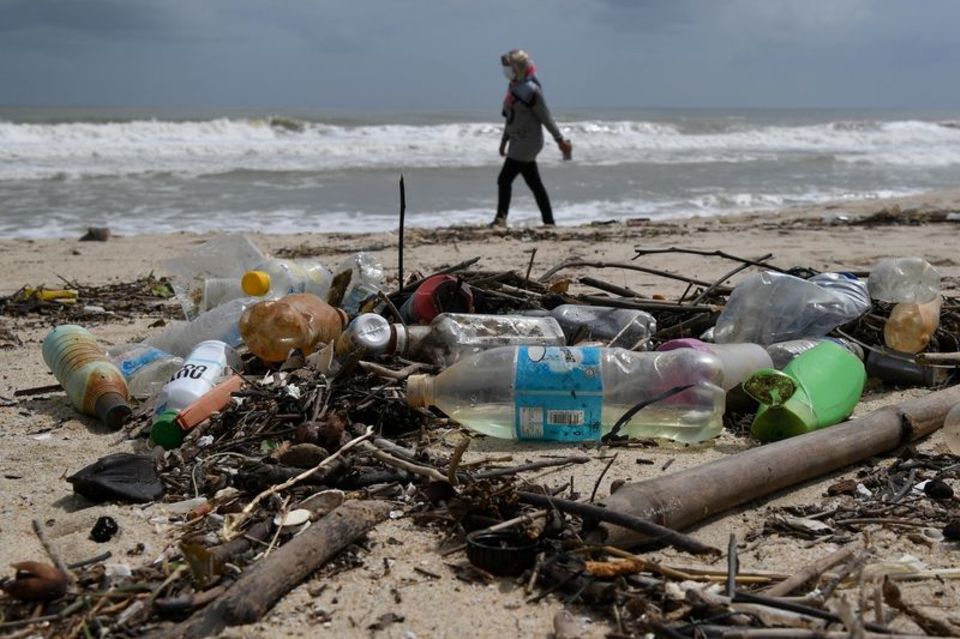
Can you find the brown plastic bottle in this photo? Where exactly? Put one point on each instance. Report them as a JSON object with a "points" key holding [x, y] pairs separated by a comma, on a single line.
{"points": [[94, 385], [910, 326], [271, 329]]}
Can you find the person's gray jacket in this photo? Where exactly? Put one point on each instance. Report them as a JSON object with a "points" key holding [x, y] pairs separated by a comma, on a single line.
{"points": [[523, 127]]}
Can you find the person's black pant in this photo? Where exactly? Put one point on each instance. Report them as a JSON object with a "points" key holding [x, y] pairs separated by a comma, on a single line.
{"points": [[531, 175]]}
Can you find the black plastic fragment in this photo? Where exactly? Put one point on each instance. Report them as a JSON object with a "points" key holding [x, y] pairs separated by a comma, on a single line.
{"points": [[104, 530], [119, 477]]}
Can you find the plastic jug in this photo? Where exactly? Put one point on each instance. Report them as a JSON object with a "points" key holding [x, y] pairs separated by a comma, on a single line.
{"points": [[452, 336], [739, 361], [94, 385], [437, 294], [220, 323], [145, 368], [203, 369], [910, 326], [577, 393], [615, 327], [276, 278], [773, 307], [908, 280], [272, 328], [782, 352], [819, 388], [225, 256], [359, 277]]}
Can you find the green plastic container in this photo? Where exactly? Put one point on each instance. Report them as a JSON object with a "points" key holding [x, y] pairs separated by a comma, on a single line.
{"points": [[818, 388]]}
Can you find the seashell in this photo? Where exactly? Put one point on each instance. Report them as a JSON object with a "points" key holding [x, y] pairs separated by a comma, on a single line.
{"points": [[296, 517]]}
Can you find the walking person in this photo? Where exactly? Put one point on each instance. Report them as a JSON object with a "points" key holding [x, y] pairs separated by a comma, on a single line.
{"points": [[526, 113]]}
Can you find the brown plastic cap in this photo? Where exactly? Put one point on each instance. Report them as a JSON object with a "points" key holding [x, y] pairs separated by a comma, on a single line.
{"points": [[113, 410]]}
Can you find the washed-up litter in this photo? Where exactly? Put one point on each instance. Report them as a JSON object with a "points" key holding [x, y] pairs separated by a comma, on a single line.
{"points": [[311, 404]]}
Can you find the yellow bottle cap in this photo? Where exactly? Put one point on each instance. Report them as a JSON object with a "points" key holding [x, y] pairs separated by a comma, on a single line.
{"points": [[255, 283]]}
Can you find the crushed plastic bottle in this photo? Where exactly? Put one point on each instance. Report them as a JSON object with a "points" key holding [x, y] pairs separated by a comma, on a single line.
{"points": [[94, 385], [739, 361], [770, 307], [220, 323], [819, 388], [908, 280], [452, 336], [359, 277], [225, 256], [272, 328], [911, 326], [210, 361], [615, 327], [437, 294], [145, 368], [578, 393], [783, 352], [275, 278]]}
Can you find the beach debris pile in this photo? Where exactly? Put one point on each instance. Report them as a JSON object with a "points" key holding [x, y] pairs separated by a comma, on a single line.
{"points": [[298, 407]]}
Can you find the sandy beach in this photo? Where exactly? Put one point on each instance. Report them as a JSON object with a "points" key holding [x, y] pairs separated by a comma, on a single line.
{"points": [[43, 438]]}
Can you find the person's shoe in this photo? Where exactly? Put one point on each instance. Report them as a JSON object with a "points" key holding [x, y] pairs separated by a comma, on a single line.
{"points": [[499, 222]]}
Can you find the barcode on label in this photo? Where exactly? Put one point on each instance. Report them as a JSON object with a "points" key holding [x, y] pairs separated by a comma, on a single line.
{"points": [[565, 417]]}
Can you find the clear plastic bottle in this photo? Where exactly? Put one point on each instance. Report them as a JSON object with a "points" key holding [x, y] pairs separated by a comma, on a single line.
{"points": [[225, 256], [782, 352], [578, 393], [452, 336], [364, 278], [739, 360], [272, 328], [910, 326], [616, 327], [145, 368], [206, 365], [770, 307], [220, 323], [276, 278], [92, 382], [909, 280], [220, 290]]}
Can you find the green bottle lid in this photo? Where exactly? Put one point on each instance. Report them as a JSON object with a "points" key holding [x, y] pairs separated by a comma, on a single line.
{"points": [[166, 431]]}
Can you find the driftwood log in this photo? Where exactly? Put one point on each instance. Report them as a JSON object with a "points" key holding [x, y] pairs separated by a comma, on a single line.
{"points": [[266, 581], [685, 498]]}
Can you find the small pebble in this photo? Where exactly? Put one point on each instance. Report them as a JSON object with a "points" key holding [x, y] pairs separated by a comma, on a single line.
{"points": [[104, 529], [937, 489]]}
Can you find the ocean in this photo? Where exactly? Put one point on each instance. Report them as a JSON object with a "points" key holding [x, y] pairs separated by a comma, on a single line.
{"points": [[142, 171]]}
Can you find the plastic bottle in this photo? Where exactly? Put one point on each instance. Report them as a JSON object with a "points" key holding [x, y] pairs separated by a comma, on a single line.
{"points": [[203, 368], [272, 328], [909, 280], [616, 327], [437, 294], [145, 368], [910, 326], [739, 360], [94, 385], [577, 393], [818, 388], [225, 256], [898, 369], [276, 278], [360, 276], [220, 290], [782, 352], [220, 323], [951, 430], [452, 336], [770, 307]]}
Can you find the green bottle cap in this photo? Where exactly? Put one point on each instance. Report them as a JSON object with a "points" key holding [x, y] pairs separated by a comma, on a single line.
{"points": [[166, 431]]}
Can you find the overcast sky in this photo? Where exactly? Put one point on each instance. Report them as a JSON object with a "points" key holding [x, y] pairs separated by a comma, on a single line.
{"points": [[443, 54]]}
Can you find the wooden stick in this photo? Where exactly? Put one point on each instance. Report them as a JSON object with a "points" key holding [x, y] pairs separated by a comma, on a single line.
{"points": [[403, 212], [815, 569], [522, 468], [727, 256], [683, 499], [647, 305], [607, 287], [723, 278], [402, 464], [266, 581], [623, 265], [655, 532], [934, 358]]}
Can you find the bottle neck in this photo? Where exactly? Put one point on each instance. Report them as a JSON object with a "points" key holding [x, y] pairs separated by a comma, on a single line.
{"points": [[421, 390]]}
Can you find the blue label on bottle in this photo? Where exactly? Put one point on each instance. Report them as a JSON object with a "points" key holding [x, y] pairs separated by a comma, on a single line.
{"points": [[128, 367], [558, 393]]}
